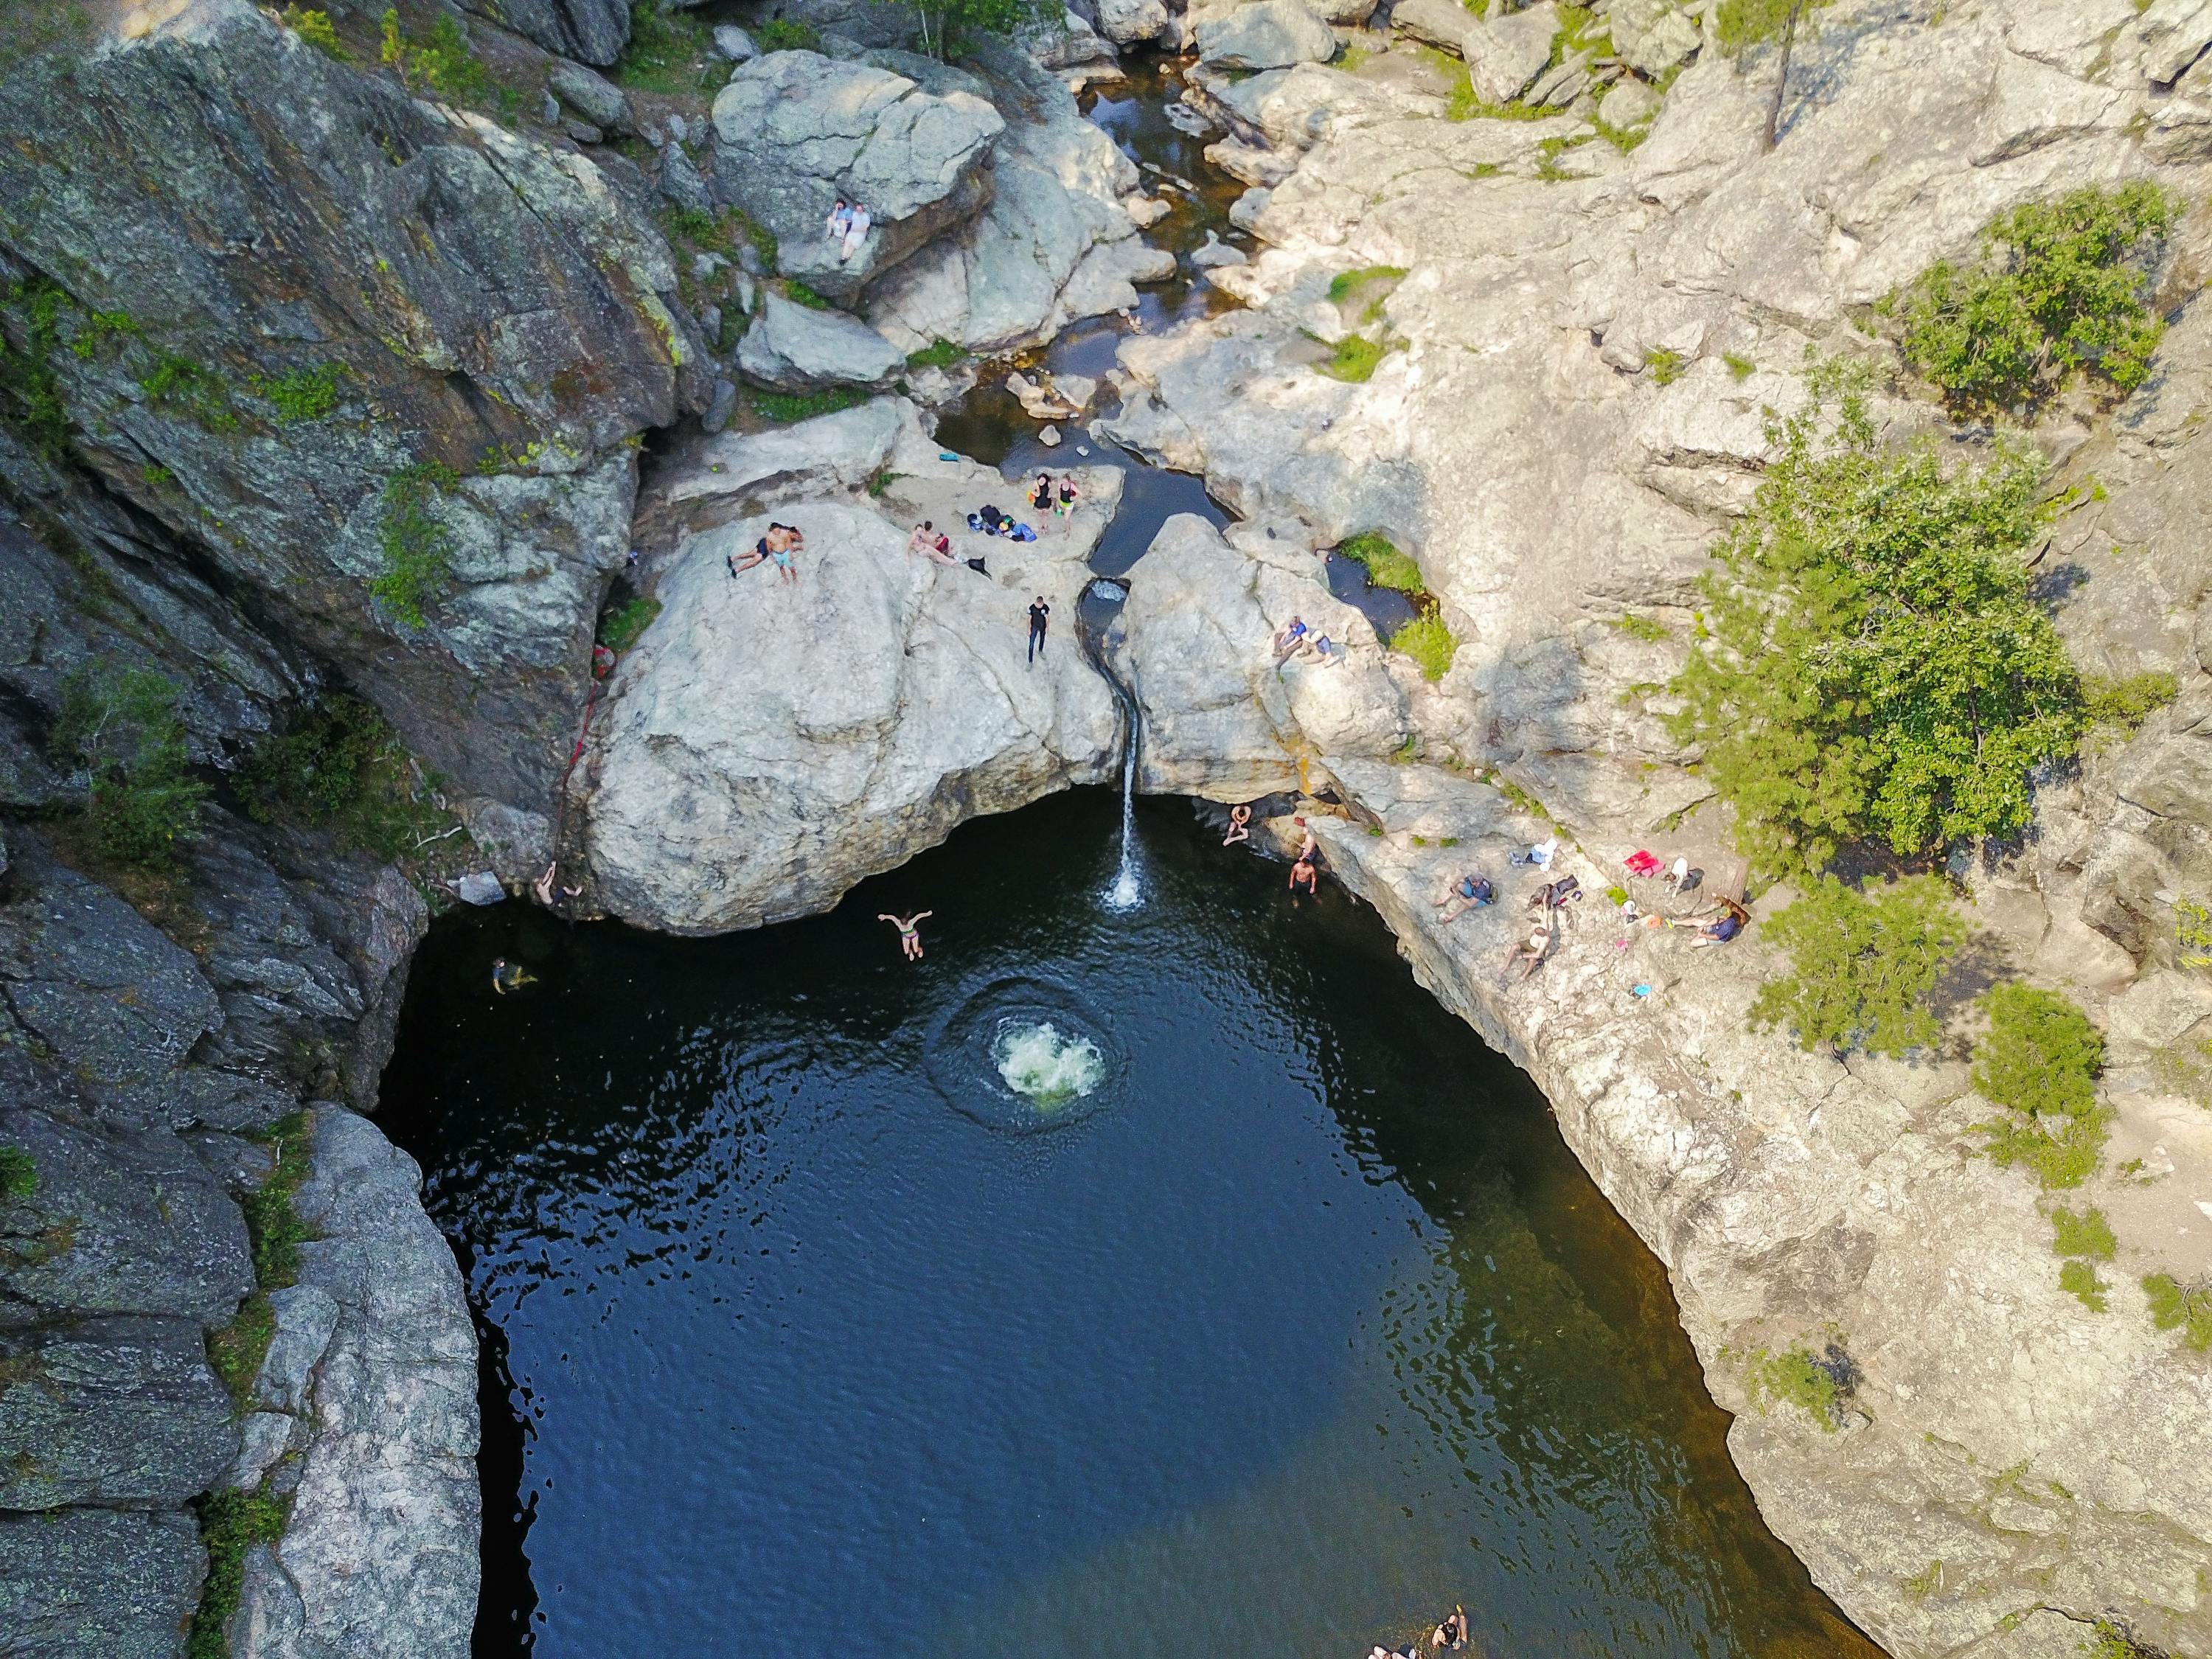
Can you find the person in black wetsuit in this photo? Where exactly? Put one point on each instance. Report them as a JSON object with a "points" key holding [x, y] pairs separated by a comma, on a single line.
{"points": [[1040, 615]]}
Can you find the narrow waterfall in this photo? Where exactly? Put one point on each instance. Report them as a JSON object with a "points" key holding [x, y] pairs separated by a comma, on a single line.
{"points": [[1097, 619]]}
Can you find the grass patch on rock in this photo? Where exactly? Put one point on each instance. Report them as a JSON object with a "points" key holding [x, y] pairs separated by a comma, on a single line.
{"points": [[668, 51], [2176, 1305], [937, 354], [230, 1523], [784, 407], [1816, 1384], [1429, 642], [1386, 566], [1353, 359], [118, 728], [416, 546], [19, 1172], [1345, 284], [623, 626], [274, 1232], [336, 764]]}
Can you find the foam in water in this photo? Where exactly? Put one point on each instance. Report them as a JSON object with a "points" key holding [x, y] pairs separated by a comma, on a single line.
{"points": [[1048, 1068]]}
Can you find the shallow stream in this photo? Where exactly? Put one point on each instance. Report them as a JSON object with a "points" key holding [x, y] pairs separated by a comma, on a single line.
{"points": [[1180, 1279]]}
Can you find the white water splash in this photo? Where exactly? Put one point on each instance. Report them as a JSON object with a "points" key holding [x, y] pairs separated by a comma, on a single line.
{"points": [[1039, 1063]]}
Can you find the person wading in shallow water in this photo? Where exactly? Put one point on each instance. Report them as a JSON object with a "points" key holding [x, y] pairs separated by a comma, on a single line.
{"points": [[1040, 617], [909, 941]]}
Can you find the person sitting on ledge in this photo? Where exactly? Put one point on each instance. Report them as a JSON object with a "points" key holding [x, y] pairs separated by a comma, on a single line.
{"points": [[1469, 892], [1530, 953], [1719, 933], [1239, 821], [1292, 641], [928, 539]]}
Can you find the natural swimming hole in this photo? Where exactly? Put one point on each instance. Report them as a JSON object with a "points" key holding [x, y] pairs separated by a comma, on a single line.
{"points": [[1175, 1280]]}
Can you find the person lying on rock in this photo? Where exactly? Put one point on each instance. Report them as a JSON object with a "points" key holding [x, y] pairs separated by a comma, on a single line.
{"points": [[1240, 825], [1469, 892], [1527, 954], [929, 540], [909, 941]]}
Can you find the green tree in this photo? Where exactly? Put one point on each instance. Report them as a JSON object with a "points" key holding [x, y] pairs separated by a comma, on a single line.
{"points": [[1862, 965], [120, 727], [2041, 1055], [1876, 668], [946, 23], [2059, 288]]}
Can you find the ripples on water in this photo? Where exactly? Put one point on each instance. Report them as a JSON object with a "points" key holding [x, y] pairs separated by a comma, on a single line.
{"points": [[1303, 1326]]}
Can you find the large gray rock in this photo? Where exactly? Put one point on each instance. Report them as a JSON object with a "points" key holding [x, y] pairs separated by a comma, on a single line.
{"points": [[1199, 655], [379, 1558], [590, 31], [1652, 36], [111, 1411], [98, 1583], [798, 130], [739, 474], [490, 305], [593, 97], [1265, 34], [1130, 22], [770, 744], [795, 347], [1504, 54], [1055, 245]]}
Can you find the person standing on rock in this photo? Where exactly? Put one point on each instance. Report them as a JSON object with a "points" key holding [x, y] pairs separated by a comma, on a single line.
{"points": [[856, 231], [1040, 617]]}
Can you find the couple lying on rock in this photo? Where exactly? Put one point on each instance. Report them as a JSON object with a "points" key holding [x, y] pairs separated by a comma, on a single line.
{"points": [[1296, 640], [928, 540], [776, 547]]}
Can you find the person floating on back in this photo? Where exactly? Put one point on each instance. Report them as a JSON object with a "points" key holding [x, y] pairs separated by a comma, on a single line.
{"points": [[909, 941], [1039, 618]]}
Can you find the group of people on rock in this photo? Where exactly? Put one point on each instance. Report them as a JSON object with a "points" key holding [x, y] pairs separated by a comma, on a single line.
{"points": [[1450, 1635], [775, 547]]}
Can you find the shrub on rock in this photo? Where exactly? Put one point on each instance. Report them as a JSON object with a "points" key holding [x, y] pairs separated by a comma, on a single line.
{"points": [[1862, 965]]}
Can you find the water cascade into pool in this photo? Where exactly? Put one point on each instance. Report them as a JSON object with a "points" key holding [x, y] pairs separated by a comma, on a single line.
{"points": [[1118, 1283]]}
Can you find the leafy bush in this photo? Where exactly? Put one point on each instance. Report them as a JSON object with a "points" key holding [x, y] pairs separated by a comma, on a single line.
{"points": [[2185, 1307], [120, 726], [2088, 1235], [1342, 286], [2079, 1279], [798, 294], [439, 62], [623, 627], [178, 386], [303, 394], [1666, 366], [1353, 359], [1649, 629], [1429, 642], [314, 27], [336, 765], [783, 35], [2059, 288], [19, 1175], [27, 376], [1862, 965], [2129, 701], [2108, 1640], [1816, 1385], [946, 24], [1876, 668], [2041, 1055], [937, 354], [2064, 1159], [230, 1523], [1739, 24], [417, 548], [1385, 565]]}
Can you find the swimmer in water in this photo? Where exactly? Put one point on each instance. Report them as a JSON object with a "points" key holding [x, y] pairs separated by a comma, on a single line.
{"points": [[1240, 820], [909, 941], [1452, 1633], [509, 977], [1303, 870]]}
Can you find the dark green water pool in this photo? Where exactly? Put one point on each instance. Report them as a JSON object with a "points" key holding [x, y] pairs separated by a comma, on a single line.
{"points": [[807, 1333]]}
